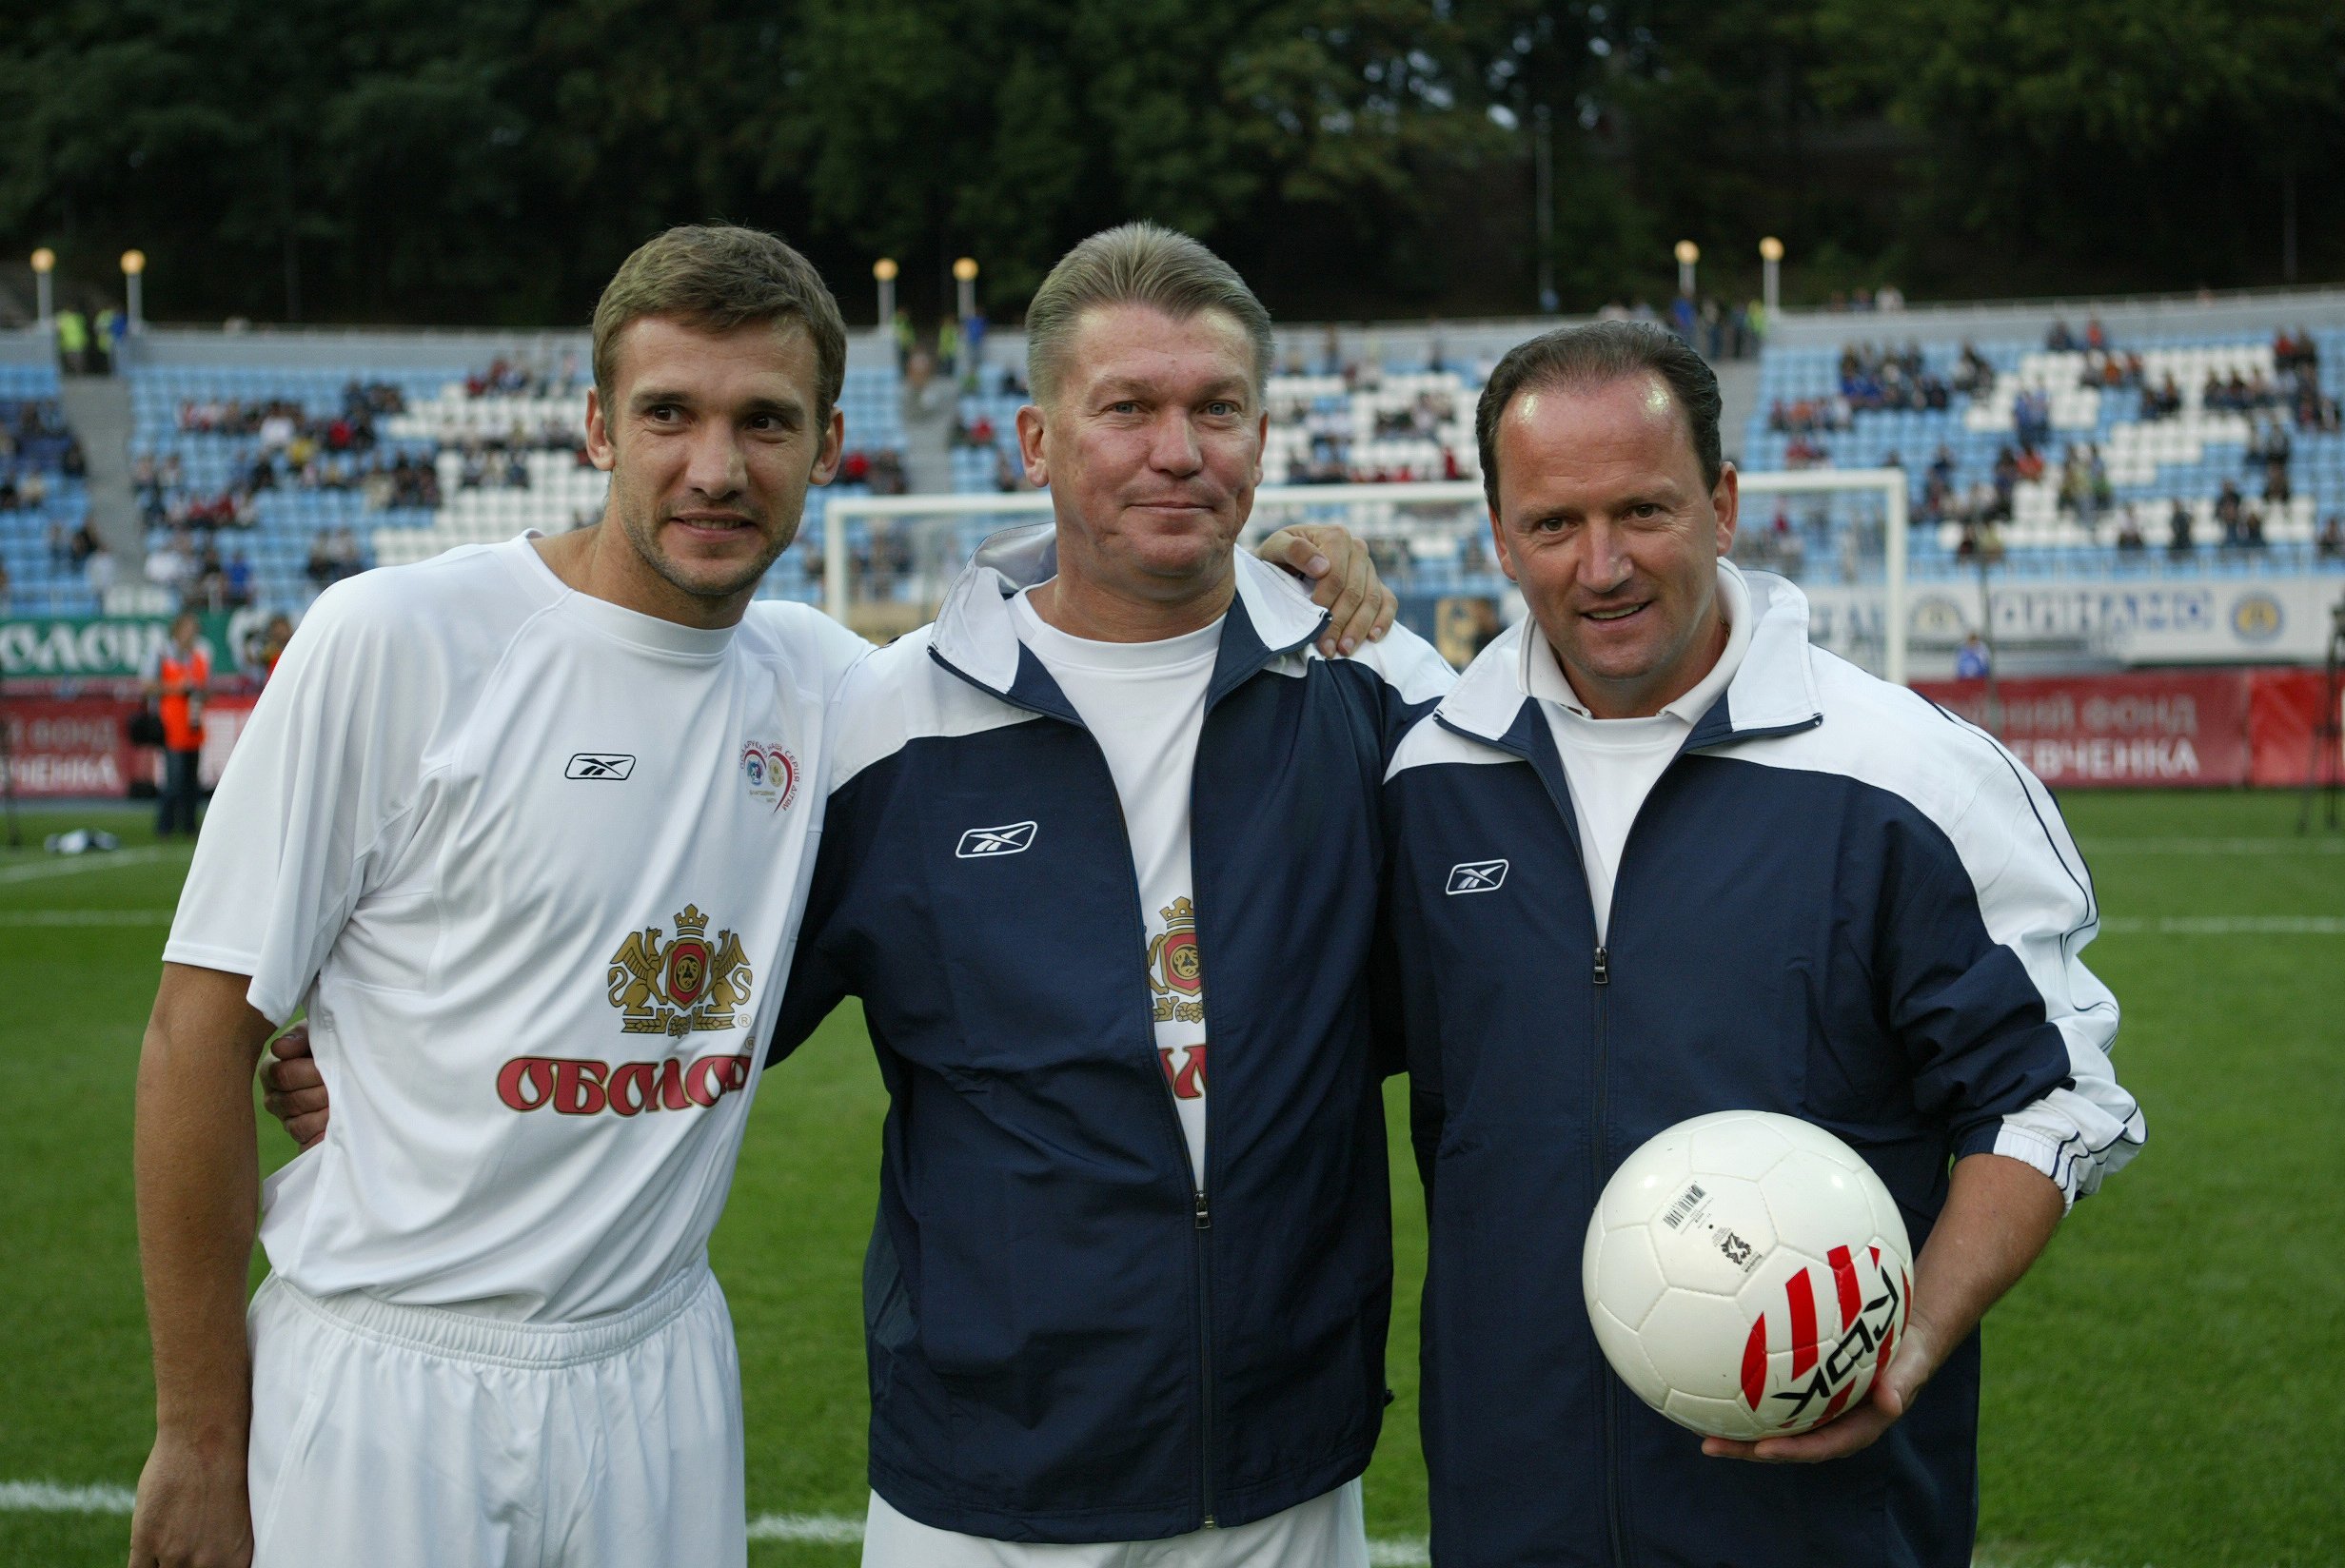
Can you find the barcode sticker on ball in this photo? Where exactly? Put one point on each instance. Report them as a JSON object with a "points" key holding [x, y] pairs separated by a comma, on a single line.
{"points": [[1686, 1204]]}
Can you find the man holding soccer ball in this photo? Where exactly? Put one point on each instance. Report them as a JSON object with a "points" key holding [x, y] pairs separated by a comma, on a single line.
{"points": [[1656, 856]]}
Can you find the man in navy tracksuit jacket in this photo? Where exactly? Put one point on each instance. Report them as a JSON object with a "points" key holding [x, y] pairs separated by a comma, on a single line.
{"points": [[1070, 1340], [1076, 1332], [1754, 877]]}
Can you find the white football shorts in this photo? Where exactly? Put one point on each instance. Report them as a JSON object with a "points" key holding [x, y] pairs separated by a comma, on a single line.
{"points": [[1330, 1531], [401, 1437]]}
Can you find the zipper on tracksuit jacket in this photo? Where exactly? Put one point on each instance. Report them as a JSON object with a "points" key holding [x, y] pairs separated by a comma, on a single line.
{"points": [[1201, 1206], [1600, 980]]}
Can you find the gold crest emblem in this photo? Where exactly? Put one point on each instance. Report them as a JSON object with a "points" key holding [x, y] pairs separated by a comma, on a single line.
{"points": [[1176, 967], [691, 984]]}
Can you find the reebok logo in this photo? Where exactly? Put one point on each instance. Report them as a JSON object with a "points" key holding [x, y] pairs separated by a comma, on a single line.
{"points": [[612, 765], [1476, 877], [988, 843]]}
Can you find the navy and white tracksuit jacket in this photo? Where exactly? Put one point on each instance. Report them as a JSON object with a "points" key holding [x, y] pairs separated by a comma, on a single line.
{"points": [[1067, 1340], [1839, 903]]}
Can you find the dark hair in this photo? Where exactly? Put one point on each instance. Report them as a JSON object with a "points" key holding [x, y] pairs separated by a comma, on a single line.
{"points": [[1592, 356], [716, 277]]}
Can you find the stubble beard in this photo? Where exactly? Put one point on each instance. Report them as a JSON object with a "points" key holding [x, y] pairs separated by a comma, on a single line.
{"points": [[643, 538]]}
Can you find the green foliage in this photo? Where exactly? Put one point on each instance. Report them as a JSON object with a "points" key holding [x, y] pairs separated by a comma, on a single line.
{"points": [[2105, 141], [433, 160]]}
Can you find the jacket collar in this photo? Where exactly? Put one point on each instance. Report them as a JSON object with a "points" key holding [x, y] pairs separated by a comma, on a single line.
{"points": [[1773, 693], [975, 638]]}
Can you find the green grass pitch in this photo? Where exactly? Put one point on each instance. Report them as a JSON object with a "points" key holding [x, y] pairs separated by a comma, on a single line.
{"points": [[2167, 1387]]}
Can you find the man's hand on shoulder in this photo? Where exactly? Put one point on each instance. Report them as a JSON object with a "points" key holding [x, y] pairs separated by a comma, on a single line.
{"points": [[1343, 583], [191, 1510], [296, 1089]]}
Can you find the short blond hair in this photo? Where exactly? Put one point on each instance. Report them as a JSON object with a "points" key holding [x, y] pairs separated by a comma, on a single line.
{"points": [[716, 277], [1137, 263]]}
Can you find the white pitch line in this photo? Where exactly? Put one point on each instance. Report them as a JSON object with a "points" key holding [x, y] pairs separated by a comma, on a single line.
{"points": [[76, 865], [41, 1497], [2229, 925], [84, 917], [828, 1529], [2306, 845]]}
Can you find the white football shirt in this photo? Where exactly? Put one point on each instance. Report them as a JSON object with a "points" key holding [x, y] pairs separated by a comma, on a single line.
{"points": [[1144, 703], [535, 865], [1612, 764]]}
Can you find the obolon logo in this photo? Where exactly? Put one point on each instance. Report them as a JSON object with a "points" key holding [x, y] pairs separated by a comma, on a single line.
{"points": [[580, 1087]]}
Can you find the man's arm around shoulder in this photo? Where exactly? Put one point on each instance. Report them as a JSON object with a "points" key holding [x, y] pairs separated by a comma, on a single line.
{"points": [[199, 1188]]}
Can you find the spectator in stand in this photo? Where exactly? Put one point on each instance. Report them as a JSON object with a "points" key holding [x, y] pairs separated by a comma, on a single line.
{"points": [[2227, 509], [2060, 340], [172, 568], [273, 639], [177, 678], [98, 572], [2178, 542], [1970, 660], [2330, 544], [2129, 530], [74, 340], [1974, 375], [238, 579], [4, 589], [2096, 341], [320, 569], [2251, 529]]}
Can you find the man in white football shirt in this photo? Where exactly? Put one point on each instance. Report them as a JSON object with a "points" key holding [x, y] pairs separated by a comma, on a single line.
{"points": [[523, 829]]}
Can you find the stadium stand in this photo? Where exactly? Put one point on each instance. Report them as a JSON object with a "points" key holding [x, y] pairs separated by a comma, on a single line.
{"points": [[262, 485], [44, 505], [2069, 459]]}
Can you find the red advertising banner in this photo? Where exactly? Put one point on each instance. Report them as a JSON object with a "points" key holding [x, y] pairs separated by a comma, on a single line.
{"points": [[79, 747], [2283, 707], [61, 749], [2142, 729]]}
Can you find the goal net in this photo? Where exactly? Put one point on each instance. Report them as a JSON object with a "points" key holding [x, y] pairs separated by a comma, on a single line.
{"points": [[887, 561]]}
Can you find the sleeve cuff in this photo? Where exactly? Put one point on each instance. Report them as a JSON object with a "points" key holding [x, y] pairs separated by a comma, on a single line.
{"points": [[2057, 1160]]}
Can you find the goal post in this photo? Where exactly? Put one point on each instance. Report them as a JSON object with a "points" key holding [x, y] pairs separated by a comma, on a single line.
{"points": [[887, 560]]}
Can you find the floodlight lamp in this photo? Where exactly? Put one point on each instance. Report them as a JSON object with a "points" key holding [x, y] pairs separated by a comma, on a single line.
{"points": [[965, 269], [1687, 253], [44, 260], [1770, 250], [133, 262], [884, 269]]}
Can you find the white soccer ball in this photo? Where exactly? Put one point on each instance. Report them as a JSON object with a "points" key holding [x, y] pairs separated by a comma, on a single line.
{"points": [[1746, 1273]]}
